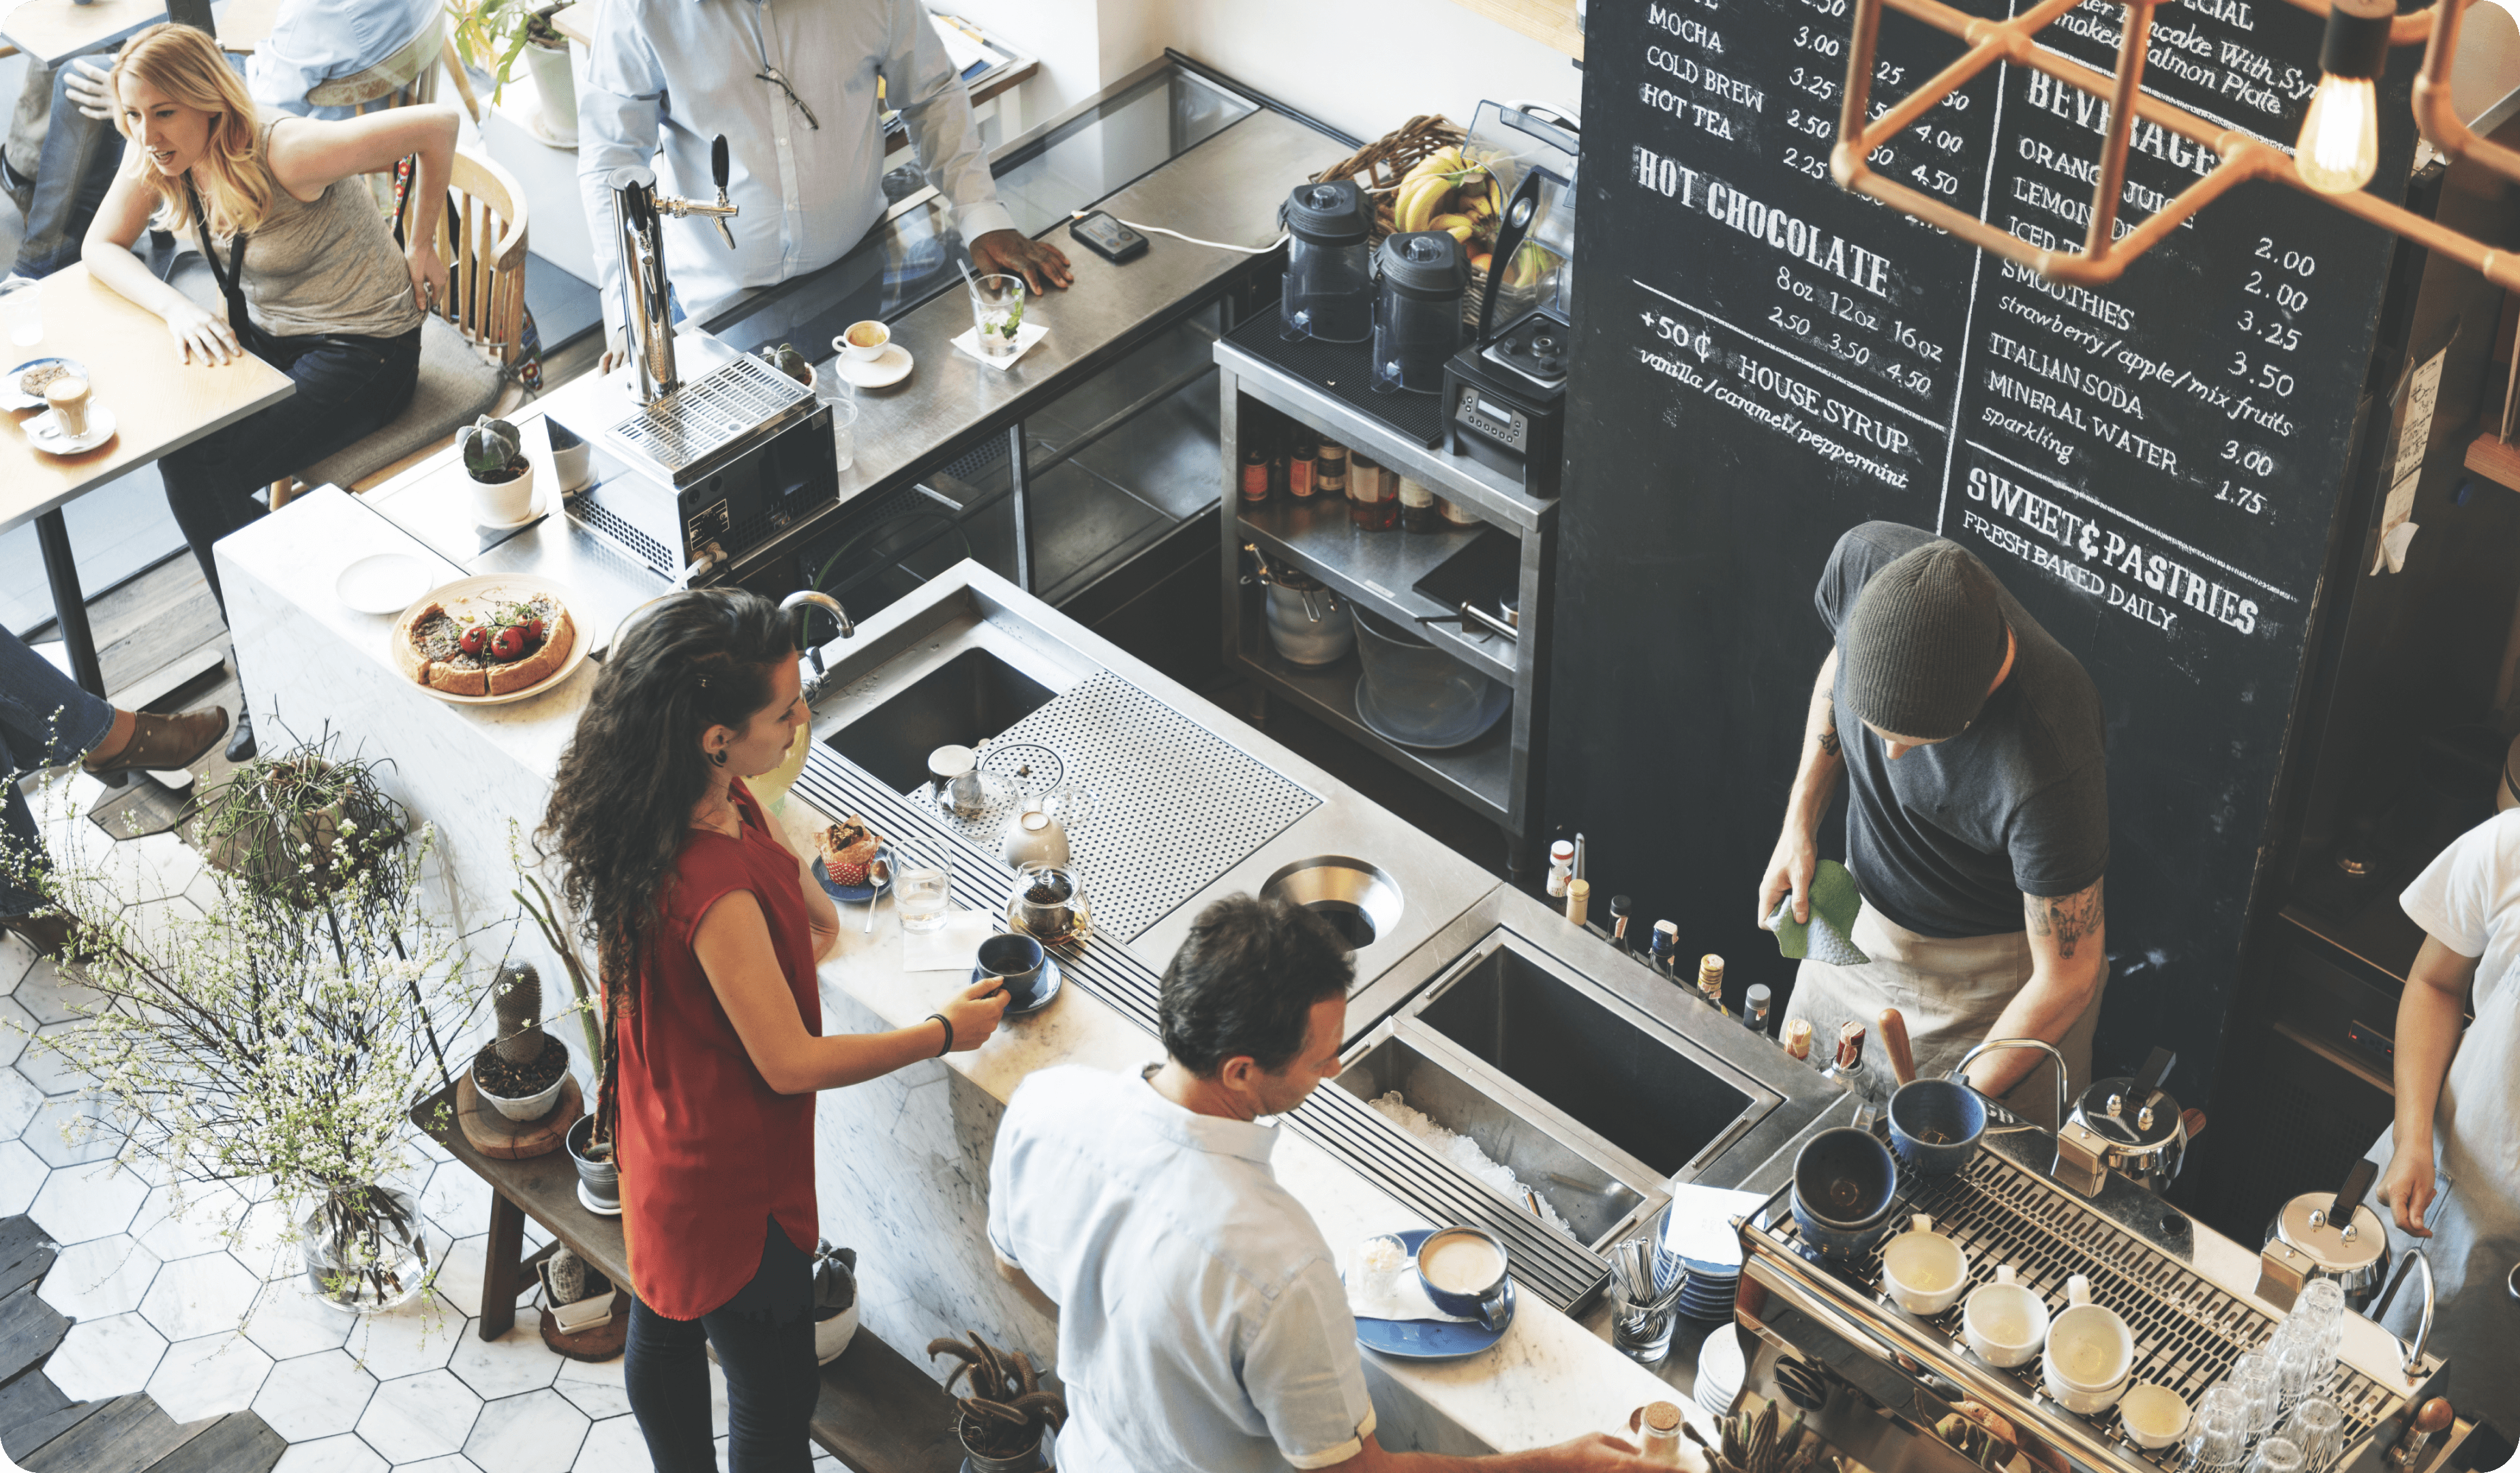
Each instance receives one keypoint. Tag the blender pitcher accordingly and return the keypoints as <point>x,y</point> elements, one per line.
<point>1418,313</point>
<point>1329,291</point>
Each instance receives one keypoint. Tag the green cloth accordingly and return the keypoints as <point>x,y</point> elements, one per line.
<point>1828,935</point>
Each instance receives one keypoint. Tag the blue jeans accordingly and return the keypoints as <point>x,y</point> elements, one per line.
<point>45,721</point>
<point>80,154</point>
<point>765,1341</point>
<point>347,388</point>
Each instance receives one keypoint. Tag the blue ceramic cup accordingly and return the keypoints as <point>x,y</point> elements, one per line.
<point>1465,1272</point>
<point>1014,959</point>
<point>1935,1124</point>
<point>1844,1183</point>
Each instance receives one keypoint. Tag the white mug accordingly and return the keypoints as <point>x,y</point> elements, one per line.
<point>2002,1322</point>
<point>1924,1272</point>
<point>2089,1353</point>
<point>2155,1417</point>
<point>864,352</point>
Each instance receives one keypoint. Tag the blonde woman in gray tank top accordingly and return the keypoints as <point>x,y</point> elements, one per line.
<point>314,282</point>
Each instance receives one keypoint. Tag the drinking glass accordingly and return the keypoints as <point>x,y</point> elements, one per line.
<point>22,311</point>
<point>2252,1376</point>
<point>844,430</point>
<point>920,891</point>
<point>2219,1430</point>
<point>2301,1366</point>
<point>2317,1428</point>
<point>2323,1300</point>
<point>997,311</point>
<point>1643,1312</point>
<point>2277,1454</point>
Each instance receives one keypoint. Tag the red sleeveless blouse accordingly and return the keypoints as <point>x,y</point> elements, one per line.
<point>707,1148</point>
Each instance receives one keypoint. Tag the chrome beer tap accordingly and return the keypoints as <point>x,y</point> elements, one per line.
<point>648,313</point>
<point>798,607</point>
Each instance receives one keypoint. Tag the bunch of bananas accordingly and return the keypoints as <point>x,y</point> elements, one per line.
<point>1445,191</point>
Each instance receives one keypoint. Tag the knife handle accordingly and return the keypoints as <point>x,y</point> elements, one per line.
<point>1893,1030</point>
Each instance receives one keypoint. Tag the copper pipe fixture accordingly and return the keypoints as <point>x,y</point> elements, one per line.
<point>2105,250</point>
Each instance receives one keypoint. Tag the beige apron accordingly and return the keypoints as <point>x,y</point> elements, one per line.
<point>1949,990</point>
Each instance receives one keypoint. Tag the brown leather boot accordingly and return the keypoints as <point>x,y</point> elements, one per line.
<point>163,744</point>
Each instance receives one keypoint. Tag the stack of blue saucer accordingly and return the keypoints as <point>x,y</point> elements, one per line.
<point>1699,1239</point>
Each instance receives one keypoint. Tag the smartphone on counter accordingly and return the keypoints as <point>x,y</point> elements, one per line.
<point>1107,238</point>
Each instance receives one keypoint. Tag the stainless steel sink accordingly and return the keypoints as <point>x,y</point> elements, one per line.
<point>1357,900</point>
<point>967,700</point>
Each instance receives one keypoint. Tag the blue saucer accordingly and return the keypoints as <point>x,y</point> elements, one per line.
<point>1049,966</point>
<point>855,895</point>
<point>1431,1339</point>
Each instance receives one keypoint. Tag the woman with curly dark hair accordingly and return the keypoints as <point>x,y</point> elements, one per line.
<point>707,929</point>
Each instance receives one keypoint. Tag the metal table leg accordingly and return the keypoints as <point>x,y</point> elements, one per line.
<point>70,607</point>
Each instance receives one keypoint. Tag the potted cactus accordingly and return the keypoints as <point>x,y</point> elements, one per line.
<point>519,1072</point>
<point>1001,1421</point>
<point>503,479</point>
<point>790,362</point>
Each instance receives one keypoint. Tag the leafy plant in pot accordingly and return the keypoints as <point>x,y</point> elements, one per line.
<point>503,479</point>
<point>1001,1419</point>
<point>599,1178</point>
<point>492,35</point>
<point>276,1035</point>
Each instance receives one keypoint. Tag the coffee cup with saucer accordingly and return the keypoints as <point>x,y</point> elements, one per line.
<point>1465,1272</point>
<point>887,364</point>
<point>2089,1352</point>
<point>44,431</point>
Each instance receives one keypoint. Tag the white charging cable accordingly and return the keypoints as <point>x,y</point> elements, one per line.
<point>1193,240</point>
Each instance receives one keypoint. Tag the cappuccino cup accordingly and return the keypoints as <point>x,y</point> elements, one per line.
<point>1464,1272</point>
<point>1924,1272</point>
<point>866,341</point>
<point>2089,1352</point>
<point>2004,1322</point>
<point>68,395</point>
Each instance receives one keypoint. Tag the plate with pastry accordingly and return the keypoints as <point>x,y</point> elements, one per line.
<point>841,854</point>
<point>489,639</point>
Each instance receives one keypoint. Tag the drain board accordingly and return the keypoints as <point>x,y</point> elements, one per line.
<point>1174,805</point>
<point>714,413</point>
<point>2188,1328</point>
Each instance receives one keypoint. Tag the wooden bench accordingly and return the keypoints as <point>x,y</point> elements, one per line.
<point>879,1411</point>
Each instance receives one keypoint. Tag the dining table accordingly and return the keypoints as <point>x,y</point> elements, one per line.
<point>50,31</point>
<point>160,404</point>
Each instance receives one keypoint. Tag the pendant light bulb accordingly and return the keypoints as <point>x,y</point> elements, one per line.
<point>2340,135</point>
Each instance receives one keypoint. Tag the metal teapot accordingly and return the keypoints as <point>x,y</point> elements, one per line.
<point>2332,1235</point>
<point>2133,1125</point>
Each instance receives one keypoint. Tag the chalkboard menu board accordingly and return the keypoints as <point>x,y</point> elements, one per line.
<point>2156,469</point>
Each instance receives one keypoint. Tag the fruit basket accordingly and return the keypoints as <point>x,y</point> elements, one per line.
<point>1419,179</point>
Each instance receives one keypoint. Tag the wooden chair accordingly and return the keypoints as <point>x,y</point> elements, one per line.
<point>409,76</point>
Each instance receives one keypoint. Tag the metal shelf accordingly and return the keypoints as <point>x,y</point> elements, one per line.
<point>1458,477</point>
<point>1480,774</point>
<point>1378,570</point>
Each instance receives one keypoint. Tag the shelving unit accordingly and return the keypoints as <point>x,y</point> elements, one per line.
<point>1496,776</point>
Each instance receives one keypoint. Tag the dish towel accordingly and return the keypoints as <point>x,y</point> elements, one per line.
<point>1026,335</point>
<point>1829,934</point>
<point>1405,1299</point>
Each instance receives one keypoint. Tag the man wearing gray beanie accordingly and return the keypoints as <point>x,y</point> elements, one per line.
<point>1977,820</point>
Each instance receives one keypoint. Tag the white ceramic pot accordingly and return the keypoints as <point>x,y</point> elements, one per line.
<point>556,90</point>
<point>533,1106</point>
<point>832,1336</point>
<point>503,503</point>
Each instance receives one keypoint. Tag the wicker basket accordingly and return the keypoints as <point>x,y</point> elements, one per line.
<point>1378,166</point>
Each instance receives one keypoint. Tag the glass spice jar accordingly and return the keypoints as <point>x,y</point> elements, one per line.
<point>1416,507</point>
<point>1370,499</point>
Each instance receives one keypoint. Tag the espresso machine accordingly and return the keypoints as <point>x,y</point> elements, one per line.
<point>698,472</point>
<point>1900,1391</point>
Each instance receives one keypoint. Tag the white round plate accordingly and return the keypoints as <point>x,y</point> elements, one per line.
<point>496,584</point>
<point>383,582</point>
<point>43,432</point>
<point>13,396</point>
<point>891,366</point>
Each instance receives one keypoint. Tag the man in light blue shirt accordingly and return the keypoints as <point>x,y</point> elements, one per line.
<point>791,85</point>
<point>1202,1328</point>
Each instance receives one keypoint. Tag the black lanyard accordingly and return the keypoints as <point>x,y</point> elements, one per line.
<point>248,337</point>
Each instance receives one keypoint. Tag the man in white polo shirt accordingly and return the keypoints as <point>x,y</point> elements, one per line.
<point>1202,1327</point>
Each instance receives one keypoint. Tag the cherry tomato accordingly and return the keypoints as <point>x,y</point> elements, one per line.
<point>533,632</point>
<point>475,640</point>
<point>508,644</point>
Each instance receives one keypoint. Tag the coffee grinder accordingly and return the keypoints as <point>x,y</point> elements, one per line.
<point>1505,394</point>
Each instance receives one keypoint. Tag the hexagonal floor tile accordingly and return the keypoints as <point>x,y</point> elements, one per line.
<point>46,1068</point>
<point>453,1462</point>
<point>404,1342</point>
<point>594,1387</point>
<point>613,1446</point>
<point>73,1130</point>
<point>312,1397</point>
<point>100,1358</point>
<point>53,998</point>
<point>264,1238</point>
<point>187,1218</point>
<point>208,1377</point>
<point>514,1363</point>
<point>80,1203</point>
<point>17,1026</point>
<point>99,1277</point>
<point>535,1433</point>
<point>290,1322</point>
<point>459,1273</point>
<point>21,1176</point>
<point>202,1295</point>
<point>423,1416</point>
<point>15,958</point>
<point>457,1200</point>
<point>332,1455</point>
<point>19,1101</point>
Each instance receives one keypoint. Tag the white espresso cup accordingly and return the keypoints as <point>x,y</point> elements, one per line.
<point>2004,1322</point>
<point>1924,1272</point>
<point>2155,1417</point>
<point>2089,1352</point>
<point>865,341</point>
<point>69,397</point>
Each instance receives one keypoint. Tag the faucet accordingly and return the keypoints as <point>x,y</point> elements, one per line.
<point>638,211</point>
<point>798,607</point>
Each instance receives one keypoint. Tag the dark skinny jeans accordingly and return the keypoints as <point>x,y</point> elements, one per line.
<point>765,1341</point>
<point>347,388</point>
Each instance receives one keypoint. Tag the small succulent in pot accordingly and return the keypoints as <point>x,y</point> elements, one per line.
<point>493,450</point>
<point>789,361</point>
<point>1002,1420</point>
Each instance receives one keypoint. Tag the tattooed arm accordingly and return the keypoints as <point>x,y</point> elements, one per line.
<point>2068,961</point>
<point>1797,853</point>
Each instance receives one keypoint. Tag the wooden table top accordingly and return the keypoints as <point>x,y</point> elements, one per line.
<point>160,402</point>
<point>47,31</point>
